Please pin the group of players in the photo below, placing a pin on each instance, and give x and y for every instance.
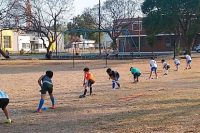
(46, 84)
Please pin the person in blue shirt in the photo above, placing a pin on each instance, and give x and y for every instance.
(136, 73)
(4, 100)
(46, 85)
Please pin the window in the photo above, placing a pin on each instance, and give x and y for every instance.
(26, 45)
(7, 41)
(159, 38)
(136, 26)
(168, 42)
(38, 46)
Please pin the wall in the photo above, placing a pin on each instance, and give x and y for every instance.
(131, 44)
(24, 39)
(7, 33)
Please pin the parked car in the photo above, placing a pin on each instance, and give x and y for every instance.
(197, 48)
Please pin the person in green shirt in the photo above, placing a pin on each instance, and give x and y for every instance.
(136, 73)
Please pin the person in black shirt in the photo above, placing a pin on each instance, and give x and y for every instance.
(114, 75)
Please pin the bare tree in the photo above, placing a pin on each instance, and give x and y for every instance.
(47, 18)
(5, 7)
(113, 15)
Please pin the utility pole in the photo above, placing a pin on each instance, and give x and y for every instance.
(99, 27)
(139, 28)
(55, 34)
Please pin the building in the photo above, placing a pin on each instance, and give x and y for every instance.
(14, 41)
(133, 39)
(9, 40)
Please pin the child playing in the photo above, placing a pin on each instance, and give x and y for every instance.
(153, 66)
(165, 66)
(136, 73)
(87, 82)
(114, 75)
(46, 85)
(188, 61)
(4, 100)
(177, 63)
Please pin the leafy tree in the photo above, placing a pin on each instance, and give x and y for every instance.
(81, 25)
(151, 41)
(178, 16)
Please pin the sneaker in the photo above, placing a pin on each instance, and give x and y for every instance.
(81, 96)
(8, 121)
(53, 107)
(39, 111)
(44, 108)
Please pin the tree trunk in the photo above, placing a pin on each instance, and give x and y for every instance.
(114, 43)
(188, 50)
(177, 42)
(49, 53)
(185, 41)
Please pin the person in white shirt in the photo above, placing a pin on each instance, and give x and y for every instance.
(153, 66)
(4, 100)
(165, 66)
(188, 61)
(177, 63)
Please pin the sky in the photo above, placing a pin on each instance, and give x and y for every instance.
(80, 5)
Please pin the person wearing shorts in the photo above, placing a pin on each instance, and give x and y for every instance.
(114, 75)
(153, 66)
(136, 73)
(166, 66)
(188, 61)
(46, 85)
(4, 101)
(177, 63)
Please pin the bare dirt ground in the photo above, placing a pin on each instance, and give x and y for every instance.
(168, 104)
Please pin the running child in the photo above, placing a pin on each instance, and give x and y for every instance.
(87, 82)
(46, 85)
(188, 61)
(177, 63)
(4, 101)
(136, 73)
(114, 75)
(153, 66)
(165, 66)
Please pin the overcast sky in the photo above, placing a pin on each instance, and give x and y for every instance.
(80, 5)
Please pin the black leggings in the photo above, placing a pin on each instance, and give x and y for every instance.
(89, 84)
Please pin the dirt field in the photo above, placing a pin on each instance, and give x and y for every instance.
(168, 104)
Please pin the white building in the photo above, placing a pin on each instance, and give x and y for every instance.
(30, 43)
(84, 44)
(15, 41)
(24, 43)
